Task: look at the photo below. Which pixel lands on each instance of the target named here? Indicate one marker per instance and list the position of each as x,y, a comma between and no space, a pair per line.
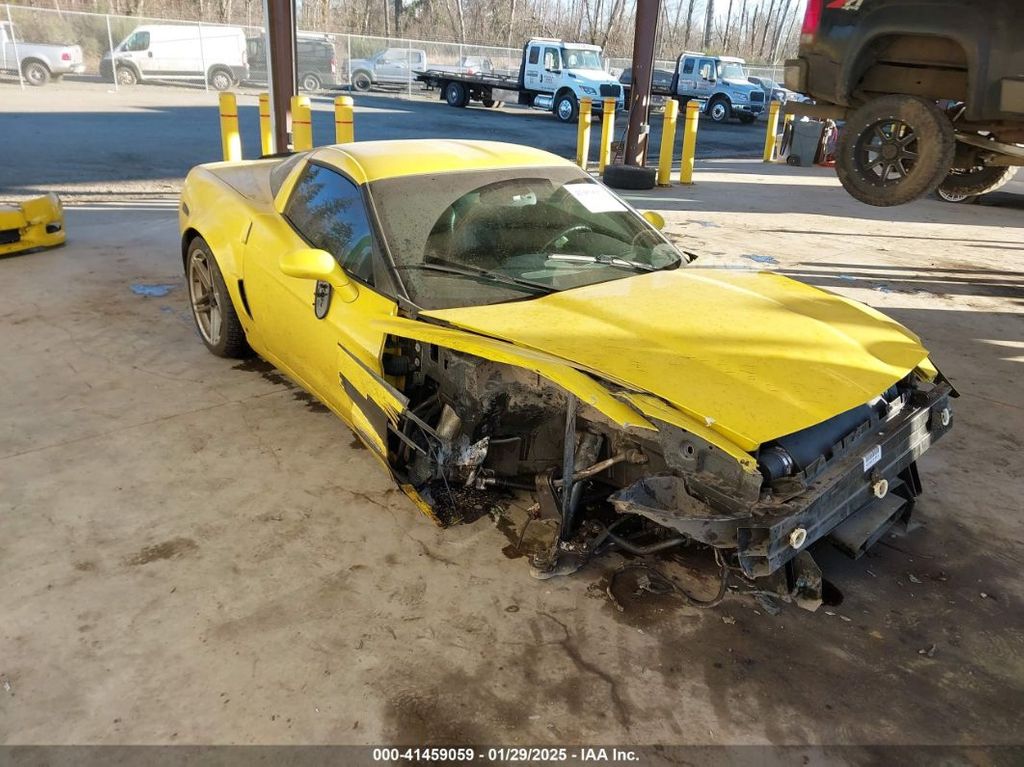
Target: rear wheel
456,95
212,310
894,149
310,82
220,79
567,108
362,81
719,110
492,104
36,73
966,184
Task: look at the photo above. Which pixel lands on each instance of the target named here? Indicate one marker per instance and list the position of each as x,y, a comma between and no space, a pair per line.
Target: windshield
576,58
485,237
730,70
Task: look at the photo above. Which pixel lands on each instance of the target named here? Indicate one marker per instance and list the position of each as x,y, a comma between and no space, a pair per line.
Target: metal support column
279,18
647,12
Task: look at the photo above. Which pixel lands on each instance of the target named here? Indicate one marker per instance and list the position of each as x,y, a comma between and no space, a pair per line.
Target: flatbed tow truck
554,75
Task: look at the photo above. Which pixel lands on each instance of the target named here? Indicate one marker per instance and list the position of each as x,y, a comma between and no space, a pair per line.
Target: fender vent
9,236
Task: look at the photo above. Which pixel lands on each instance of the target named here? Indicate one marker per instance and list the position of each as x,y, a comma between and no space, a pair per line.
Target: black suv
931,91
316,62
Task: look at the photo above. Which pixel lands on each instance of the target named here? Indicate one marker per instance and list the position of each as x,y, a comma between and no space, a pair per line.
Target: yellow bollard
302,124
344,125
230,139
668,143
583,132
607,133
689,142
773,128
266,134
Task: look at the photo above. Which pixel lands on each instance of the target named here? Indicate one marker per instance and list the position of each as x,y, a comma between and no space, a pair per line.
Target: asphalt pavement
83,136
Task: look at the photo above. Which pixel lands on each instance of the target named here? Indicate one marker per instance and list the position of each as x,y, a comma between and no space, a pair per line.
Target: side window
327,210
138,41
688,66
551,60
417,58
707,69
534,55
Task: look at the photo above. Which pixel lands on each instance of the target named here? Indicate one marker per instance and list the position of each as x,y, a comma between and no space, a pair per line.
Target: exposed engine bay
475,428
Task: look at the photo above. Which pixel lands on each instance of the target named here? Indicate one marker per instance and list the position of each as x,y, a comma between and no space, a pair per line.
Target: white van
180,52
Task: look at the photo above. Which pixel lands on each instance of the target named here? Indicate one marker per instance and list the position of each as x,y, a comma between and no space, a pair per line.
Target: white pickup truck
38,62
554,75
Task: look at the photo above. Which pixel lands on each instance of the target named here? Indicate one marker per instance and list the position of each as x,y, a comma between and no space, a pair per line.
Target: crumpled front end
36,223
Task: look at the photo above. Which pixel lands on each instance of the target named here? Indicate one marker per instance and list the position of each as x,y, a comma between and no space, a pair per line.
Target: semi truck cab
558,75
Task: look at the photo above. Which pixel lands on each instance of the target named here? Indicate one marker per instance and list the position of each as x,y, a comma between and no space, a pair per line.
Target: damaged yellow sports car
35,223
492,321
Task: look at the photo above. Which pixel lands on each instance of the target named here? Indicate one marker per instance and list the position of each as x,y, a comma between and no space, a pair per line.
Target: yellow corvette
492,321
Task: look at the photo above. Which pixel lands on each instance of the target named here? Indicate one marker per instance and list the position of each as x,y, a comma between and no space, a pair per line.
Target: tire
492,104
566,108
456,94
310,82
894,149
361,81
36,73
719,110
127,76
220,79
218,325
966,185
629,177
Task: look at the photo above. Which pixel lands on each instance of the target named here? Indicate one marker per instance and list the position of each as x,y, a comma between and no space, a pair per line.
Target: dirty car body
492,322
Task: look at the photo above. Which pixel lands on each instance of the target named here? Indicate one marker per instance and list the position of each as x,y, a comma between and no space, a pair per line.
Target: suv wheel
966,184
567,108
719,110
310,82
361,81
36,73
894,149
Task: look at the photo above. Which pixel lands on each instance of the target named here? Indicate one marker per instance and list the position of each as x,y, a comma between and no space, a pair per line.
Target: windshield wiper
480,273
604,260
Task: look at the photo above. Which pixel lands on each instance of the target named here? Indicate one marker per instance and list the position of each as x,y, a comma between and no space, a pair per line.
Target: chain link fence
40,45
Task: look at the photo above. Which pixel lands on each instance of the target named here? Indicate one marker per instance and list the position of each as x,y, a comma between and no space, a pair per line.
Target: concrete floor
193,551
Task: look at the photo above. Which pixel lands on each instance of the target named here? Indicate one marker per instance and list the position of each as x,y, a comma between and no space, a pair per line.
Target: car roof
370,161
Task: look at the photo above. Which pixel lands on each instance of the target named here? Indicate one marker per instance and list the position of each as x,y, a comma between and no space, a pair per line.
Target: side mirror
654,219
315,264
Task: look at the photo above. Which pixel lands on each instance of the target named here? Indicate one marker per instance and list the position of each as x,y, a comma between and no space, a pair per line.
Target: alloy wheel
203,294
887,152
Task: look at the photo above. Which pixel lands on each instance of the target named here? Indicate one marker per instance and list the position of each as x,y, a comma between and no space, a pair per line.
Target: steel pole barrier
302,124
14,45
607,133
113,61
583,132
266,129
689,142
230,139
773,129
668,143
344,124
202,57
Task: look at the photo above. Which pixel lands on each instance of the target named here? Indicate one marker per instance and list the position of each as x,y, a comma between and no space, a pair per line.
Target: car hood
754,355
741,85
592,75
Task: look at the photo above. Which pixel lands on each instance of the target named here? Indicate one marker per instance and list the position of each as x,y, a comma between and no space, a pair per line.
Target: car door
326,342
706,77
552,73
136,49
532,68
393,65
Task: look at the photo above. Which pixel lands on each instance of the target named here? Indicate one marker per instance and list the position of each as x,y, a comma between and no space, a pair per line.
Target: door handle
150,54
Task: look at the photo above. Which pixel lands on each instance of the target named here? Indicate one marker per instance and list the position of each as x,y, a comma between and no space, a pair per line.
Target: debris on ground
928,652
761,259
158,290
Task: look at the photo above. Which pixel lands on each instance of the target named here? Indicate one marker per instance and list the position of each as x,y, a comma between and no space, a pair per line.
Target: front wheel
567,108
126,76
212,310
894,149
719,110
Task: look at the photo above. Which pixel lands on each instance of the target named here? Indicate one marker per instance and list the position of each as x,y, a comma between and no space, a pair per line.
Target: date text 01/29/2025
500,754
